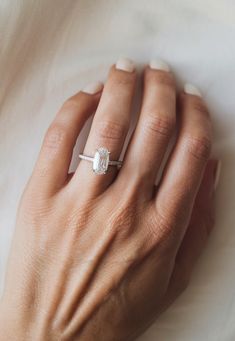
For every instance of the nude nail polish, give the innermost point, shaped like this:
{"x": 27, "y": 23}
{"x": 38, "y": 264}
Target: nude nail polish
{"x": 191, "y": 89}
{"x": 159, "y": 64}
{"x": 93, "y": 88}
{"x": 125, "y": 64}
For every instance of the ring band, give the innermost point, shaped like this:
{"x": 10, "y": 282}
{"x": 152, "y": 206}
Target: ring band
{"x": 101, "y": 161}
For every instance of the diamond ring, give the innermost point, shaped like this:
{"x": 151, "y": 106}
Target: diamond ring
{"x": 101, "y": 161}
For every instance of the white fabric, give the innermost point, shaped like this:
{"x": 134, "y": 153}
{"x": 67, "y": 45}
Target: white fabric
{"x": 50, "y": 49}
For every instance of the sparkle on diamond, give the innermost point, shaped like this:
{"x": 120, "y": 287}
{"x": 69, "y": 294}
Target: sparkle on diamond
{"x": 101, "y": 161}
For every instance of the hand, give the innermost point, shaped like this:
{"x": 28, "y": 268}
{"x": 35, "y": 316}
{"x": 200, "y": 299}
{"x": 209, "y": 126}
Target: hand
{"x": 99, "y": 257}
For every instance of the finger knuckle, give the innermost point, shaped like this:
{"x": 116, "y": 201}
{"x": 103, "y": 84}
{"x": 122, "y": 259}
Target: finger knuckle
{"x": 160, "y": 227}
{"x": 161, "y": 123}
{"x": 199, "y": 146}
{"x": 162, "y": 78}
{"x": 110, "y": 130}
{"x": 55, "y": 136}
{"x": 122, "y": 219}
{"x": 122, "y": 79}
{"x": 79, "y": 216}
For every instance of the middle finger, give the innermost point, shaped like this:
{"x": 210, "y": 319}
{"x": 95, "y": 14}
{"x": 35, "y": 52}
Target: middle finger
{"x": 155, "y": 126}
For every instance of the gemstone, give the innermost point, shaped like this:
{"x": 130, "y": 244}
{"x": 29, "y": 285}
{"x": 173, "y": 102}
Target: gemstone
{"x": 101, "y": 161}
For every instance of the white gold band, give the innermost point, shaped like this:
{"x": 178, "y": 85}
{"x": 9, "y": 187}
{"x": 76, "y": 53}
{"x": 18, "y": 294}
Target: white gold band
{"x": 91, "y": 159}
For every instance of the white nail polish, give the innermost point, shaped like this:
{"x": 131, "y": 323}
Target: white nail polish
{"x": 158, "y": 64}
{"x": 125, "y": 64}
{"x": 217, "y": 174}
{"x": 93, "y": 88}
{"x": 191, "y": 89}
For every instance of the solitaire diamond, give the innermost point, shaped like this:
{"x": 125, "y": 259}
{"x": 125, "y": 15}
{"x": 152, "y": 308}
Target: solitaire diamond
{"x": 101, "y": 161}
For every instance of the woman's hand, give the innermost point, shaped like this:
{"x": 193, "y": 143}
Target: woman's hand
{"x": 98, "y": 257}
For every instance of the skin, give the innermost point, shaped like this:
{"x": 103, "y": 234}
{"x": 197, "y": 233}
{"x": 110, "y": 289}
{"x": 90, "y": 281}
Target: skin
{"x": 100, "y": 257}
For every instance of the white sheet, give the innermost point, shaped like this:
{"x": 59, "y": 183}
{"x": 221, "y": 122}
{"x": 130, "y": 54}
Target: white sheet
{"x": 50, "y": 49}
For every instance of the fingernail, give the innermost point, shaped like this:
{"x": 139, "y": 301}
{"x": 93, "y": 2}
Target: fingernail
{"x": 125, "y": 64}
{"x": 159, "y": 64}
{"x": 217, "y": 174}
{"x": 191, "y": 89}
{"x": 93, "y": 88}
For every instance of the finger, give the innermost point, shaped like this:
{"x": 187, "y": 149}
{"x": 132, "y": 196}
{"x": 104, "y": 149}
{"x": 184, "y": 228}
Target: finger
{"x": 202, "y": 217}
{"x": 155, "y": 125}
{"x": 184, "y": 170}
{"x": 200, "y": 226}
{"x": 56, "y": 152}
{"x": 110, "y": 125}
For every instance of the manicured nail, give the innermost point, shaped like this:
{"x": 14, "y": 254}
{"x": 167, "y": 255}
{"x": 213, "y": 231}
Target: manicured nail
{"x": 125, "y": 64}
{"x": 93, "y": 88}
{"x": 191, "y": 89}
{"x": 158, "y": 64}
{"x": 217, "y": 174}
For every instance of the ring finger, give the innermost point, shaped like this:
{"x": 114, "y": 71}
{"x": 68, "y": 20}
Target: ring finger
{"x": 110, "y": 125}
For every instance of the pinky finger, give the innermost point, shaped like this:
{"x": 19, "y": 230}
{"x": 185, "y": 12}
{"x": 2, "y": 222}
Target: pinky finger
{"x": 200, "y": 226}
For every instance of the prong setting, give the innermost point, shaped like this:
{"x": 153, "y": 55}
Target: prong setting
{"x": 101, "y": 161}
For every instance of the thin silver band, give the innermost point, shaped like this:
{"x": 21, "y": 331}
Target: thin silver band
{"x": 91, "y": 159}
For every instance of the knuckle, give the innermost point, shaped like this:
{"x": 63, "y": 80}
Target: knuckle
{"x": 165, "y": 225}
{"x": 121, "y": 220}
{"x": 120, "y": 78}
{"x": 162, "y": 78}
{"x": 160, "y": 227}
{"x": 199, "y": 147}
{"x": 108, "y": 130}
{"x": 160, "y": 123}
{"x": 79, "y": 216}
{"x": 55, "y": 136}
{"x": 123, "y": 80}
{"x": 152, "y": 229}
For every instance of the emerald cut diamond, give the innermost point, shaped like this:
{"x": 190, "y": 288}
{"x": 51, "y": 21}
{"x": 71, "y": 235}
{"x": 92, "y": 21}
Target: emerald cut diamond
{"x": 101, "y": 161}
